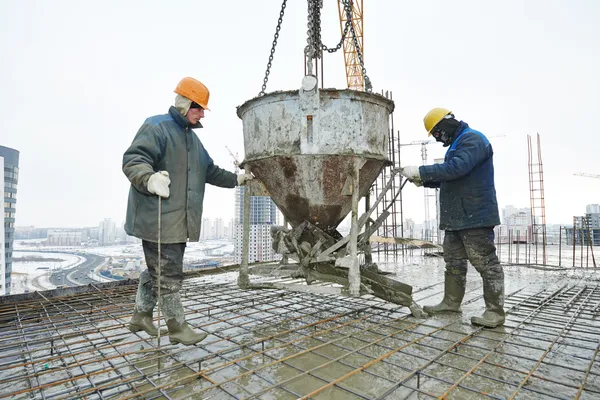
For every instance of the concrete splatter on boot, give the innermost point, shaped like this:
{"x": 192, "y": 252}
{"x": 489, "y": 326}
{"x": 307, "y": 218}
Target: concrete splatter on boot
{"x": 145, "y": 302}
{"x": 143, "y": 322}
{"x": 454, "y": 291}
{"x": 179, "y": 330}
{"x": 493, "y": 295}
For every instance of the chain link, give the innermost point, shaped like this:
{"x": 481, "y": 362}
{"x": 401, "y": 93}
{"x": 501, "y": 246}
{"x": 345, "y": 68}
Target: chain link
{"x": 368, "y": 85}
{"x": 275, "y": 37}
{"x": 348, "y": 24}
{"x": 315, "y": 46}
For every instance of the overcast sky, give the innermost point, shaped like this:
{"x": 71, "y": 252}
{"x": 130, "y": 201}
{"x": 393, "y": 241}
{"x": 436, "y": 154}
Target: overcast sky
{"x": 78, "y": 78}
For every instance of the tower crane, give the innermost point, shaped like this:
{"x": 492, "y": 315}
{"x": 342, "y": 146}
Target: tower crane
{"x": 587, "y": 175}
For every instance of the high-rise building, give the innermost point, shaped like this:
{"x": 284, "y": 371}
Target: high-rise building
{"x": 108, "y": 231}
{"x": 205, "y": 229}
{"x": 263, "y": 214}
{"x": 230, "y": 229}
{"x": 9, "y": 162}
{"x": 219, "y": 229}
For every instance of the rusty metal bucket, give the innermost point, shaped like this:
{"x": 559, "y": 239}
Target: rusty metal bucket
{"x": 303, "y": 144}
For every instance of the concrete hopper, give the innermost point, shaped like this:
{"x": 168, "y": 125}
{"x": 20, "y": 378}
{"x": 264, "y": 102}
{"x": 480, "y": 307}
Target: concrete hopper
{"x": 303, "y": 144}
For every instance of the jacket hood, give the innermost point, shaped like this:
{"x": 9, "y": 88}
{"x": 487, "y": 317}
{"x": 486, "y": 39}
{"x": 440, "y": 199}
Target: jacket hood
{"x": 181, "y": 120}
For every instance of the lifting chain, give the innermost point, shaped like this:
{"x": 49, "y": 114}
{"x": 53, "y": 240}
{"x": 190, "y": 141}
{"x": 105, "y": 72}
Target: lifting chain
{"x": 275, "y": 37}
{"x": 314, "y": 46}
{"x": 348, "y": 8}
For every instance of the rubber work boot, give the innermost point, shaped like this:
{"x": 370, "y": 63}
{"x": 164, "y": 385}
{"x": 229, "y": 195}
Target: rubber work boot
{"x": 145, "y": 301}
{"x": 182, "y": 333}
{"x": 493, "y": 295}
{"x": 142, "y": 321}
{"x": 454, "y": 291}
{"x": 179, "y": 330}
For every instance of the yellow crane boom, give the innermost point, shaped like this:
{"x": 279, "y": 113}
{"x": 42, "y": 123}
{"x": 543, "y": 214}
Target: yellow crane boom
{"x": 354, "y": 73}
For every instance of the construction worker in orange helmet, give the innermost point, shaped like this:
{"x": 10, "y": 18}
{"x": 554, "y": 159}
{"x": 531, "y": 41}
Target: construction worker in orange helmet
{"x": 167, "y": 159}
{"x": 468, "y": 213}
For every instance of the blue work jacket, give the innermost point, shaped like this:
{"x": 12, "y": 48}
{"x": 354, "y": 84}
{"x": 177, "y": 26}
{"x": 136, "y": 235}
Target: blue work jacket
{"x": 466, "y": 182}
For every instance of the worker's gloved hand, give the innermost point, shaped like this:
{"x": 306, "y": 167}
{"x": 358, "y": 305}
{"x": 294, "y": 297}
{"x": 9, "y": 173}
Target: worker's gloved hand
{"x": 243, "y": 178}
{"x": 411, "y": 173}
{"x": 158, "y": 184}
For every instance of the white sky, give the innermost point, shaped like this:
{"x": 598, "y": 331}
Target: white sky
{"x": 78, "y": 78}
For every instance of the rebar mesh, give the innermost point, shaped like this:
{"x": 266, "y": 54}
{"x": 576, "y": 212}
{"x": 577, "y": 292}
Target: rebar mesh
{"x": 282, "y": 344}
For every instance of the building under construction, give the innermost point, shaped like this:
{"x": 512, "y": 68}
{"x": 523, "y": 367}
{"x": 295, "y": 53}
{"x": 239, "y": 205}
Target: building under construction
{"x": 333, "y": 319}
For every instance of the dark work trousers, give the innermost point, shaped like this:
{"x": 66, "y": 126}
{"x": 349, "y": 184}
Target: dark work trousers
{"x": 475, "y": 245}
{"x": 171, "y": 266}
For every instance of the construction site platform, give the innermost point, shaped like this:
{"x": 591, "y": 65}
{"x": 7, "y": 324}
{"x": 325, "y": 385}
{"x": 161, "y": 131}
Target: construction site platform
{"x": 289, "y": 344}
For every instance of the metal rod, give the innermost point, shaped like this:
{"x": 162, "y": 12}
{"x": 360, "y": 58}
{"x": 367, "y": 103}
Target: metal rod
{"x": 354, "y": 272}
{"x": 244, "y": 278}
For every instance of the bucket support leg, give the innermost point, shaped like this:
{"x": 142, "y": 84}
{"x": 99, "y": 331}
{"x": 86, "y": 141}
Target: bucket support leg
{"x": 354, "y": 270}
{"x": 243, "y": 277}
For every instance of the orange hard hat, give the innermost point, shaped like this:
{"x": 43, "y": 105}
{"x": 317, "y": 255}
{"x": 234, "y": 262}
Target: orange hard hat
{"x": 193, "y": 90}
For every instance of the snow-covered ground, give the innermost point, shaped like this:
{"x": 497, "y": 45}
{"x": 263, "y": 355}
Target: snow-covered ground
{"x": 194, "y": 251}
{"x": 34, "y": 275}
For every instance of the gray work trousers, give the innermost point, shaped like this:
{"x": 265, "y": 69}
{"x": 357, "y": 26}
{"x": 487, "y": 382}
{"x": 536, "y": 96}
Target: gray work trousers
{"x": 171, "y": 266}
{"x": 475, "y": 245}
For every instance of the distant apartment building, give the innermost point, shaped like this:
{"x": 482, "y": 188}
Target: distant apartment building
{"x": 230, "y": 229}
{"x": 108, "y": 232}
{"x": 215, "y": 229}
{"x": 206, "y": 229}
{"x": 91, "y": 234}
{"x": 516, "y": 225}
{"x": 9, "y": 162}
{"x": 65, "y": 237}
{"x": 30, "y": 232}
{"x": 219, "y": 229}
{"x": 263, "y": 214}
{"x": 587, "y": 227}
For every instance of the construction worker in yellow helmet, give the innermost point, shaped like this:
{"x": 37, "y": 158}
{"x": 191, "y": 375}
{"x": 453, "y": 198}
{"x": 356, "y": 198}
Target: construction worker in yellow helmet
{"x": 167, "y": 159}
{"x": 468, "y": 213}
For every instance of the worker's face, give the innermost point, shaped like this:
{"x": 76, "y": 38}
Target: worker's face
{"x": 194, "y": 115}
{"x": 437, "y": 134}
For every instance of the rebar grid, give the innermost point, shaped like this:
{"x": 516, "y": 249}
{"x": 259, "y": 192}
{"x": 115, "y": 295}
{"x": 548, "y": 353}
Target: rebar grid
{"x": 279, "y": 344}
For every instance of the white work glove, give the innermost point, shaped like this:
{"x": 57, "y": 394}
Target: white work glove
{"x": 158, "y": 184}
{"x": 242, "y": 178}
{"x": 411, "y": 173}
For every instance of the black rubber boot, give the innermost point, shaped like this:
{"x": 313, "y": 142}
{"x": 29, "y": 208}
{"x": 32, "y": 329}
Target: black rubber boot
{"x": 454, "y": 291}
{"x": 493, "y": 295}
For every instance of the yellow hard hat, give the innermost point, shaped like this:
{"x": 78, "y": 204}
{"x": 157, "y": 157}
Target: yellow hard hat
{"x": 193, "y": 90}
{"x": 433, "y": 117}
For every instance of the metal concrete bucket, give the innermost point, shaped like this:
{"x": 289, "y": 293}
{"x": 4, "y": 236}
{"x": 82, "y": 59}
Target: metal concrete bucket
{"x": 303, "y": 144}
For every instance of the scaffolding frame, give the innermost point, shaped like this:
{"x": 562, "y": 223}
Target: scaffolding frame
{"x": 393, "y": 226}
